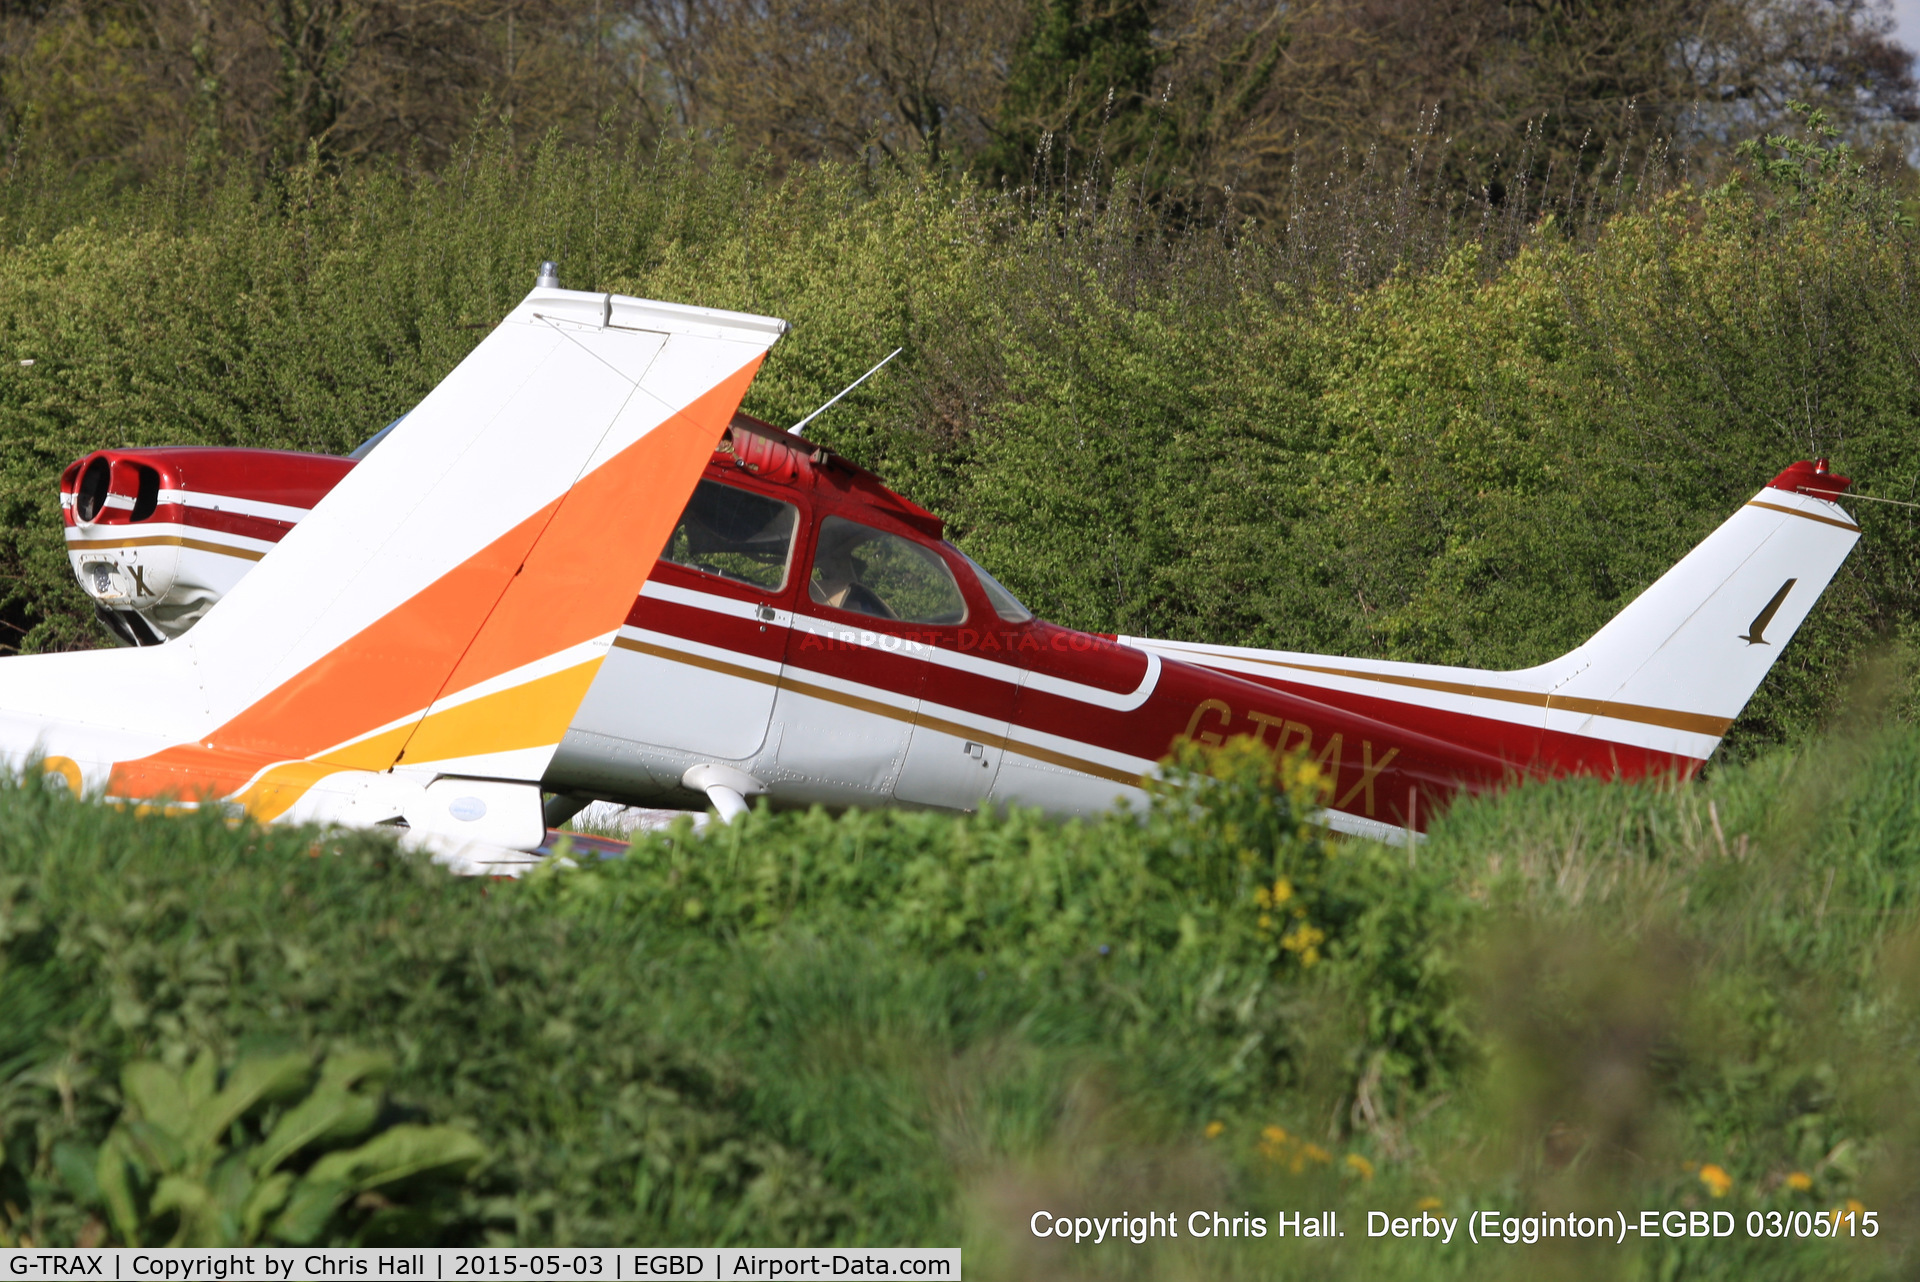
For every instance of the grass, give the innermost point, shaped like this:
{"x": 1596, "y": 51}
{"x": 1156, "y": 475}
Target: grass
{"x": 907, "y": 1029}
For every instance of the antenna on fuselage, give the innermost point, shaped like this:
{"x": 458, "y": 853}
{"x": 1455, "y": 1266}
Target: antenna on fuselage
{"x": 796, "y": 428}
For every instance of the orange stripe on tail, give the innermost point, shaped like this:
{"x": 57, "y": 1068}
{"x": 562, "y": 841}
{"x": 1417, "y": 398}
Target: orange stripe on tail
{"x": 538, "y": 589}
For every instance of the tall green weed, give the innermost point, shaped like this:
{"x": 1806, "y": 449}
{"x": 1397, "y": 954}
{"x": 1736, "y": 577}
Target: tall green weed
{"x": 915, "y": 1028}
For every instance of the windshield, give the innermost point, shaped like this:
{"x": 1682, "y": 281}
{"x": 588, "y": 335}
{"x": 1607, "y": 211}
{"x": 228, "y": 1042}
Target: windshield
{"x": 1004, "y": 603}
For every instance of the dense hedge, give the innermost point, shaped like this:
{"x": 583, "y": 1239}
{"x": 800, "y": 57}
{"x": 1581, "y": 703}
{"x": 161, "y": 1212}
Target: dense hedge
{"x": 1368, "y": 431}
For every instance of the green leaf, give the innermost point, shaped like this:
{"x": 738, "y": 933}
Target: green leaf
{"x": 190, "y": 1200}
{"x": 157, "y": 1093}
{"x": 232, "y": 1186}
{"x": 345, "y": 1069}
{"x": 201, "y": 1079}
{"x": 268, "y": 1196}
{"x": 77, "y": 1165}
{"x": 308, "y": 1211}
{"x": 155, "y": 1150}
{"x": 251, "y": 1082}
{"x": 115, "y": 1180}
{"x": 325, "y": 1115}
{"x": 399, "y": 1153}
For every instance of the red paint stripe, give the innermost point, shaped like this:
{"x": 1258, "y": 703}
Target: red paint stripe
{"x": 252, "y": 527}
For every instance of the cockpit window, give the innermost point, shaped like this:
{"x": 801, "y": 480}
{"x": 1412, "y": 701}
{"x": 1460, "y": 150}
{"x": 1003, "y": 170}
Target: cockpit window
{"x": 868, "y": 571}
{"x": 735, "y": 534}
{"x": 1004, "y": 603}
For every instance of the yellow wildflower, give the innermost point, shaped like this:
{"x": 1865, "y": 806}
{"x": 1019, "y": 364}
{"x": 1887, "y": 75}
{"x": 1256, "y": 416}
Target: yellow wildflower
{"x": 1214, "y": 1129}
{"x": 1305, "y": 940}
{"x": 1277, "y": 1146}
{"x": 1282, "y": 891}
{"x": 1360, "y": 1166}
{"x": 1427, "y": 1204}
{"x": 1800, "y": 1181}
{"x": 1856, "y": 1206}
{"x": 1718, "y": 1182}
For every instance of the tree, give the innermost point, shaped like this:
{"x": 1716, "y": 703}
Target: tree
{"x": 136, "y": 86}
{"x": 1210, "y": 101}
{"x": 1083, "y": 79}
{"x": 808, "y": 79}
{"x": 1497, "y": 85}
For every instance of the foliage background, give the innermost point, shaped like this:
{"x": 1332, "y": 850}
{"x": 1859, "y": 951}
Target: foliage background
{"x": 1217, "y": 102}
{"x": 1395, "y": 425}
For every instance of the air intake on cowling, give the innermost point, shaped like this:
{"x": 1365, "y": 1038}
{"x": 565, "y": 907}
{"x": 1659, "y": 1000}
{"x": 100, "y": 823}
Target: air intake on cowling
{"x": 95, "y": 483}
{"x": 549, "y": 277}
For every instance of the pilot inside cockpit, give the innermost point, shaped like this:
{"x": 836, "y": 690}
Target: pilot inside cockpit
{"x": 867, "y": 571}
{"x": 836, "y": 572}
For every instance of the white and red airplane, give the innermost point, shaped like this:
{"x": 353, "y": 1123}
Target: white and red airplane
{"x": 575, "y": 569}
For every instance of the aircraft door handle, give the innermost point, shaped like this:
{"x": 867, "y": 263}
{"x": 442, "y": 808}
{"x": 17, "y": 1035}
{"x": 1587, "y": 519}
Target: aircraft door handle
{"x": 765, "y": 614}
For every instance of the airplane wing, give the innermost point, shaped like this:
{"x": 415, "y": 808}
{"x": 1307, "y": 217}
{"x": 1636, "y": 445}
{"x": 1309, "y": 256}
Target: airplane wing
{"x": 442, "y": 611}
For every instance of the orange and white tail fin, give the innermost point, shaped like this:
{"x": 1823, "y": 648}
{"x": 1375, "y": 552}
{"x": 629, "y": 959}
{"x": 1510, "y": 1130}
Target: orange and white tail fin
{"x": 1664, "y": 679}
{"x": 445, "y": 607}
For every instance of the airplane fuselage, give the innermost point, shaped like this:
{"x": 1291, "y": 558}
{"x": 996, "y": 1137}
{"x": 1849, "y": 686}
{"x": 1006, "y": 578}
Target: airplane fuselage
{"x": 811, "y": 630}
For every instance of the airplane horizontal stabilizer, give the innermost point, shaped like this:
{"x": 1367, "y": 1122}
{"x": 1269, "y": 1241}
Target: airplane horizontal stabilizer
{"x": 445, "y": 607}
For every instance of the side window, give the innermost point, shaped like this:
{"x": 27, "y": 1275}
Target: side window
{"x": 868, "y": 571}
{"x": 735, "y": 534}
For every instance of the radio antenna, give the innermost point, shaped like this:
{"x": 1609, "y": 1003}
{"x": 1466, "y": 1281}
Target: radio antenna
{"x": 796, "y": 429}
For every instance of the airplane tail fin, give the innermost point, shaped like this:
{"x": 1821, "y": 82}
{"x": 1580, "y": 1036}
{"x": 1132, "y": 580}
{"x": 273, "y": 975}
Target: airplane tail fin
{"x": 445, "y": 607}
{"x": 1680, "y": 662}
{"x": 1656, "y": 687}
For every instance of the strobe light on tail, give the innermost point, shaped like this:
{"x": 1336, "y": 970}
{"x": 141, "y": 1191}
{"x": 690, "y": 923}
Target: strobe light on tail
{"x": 476, "y": 614}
